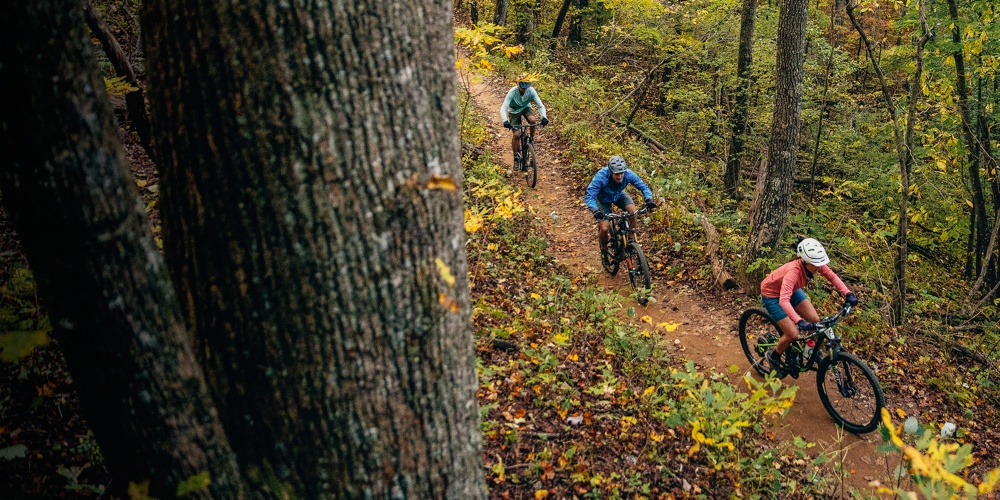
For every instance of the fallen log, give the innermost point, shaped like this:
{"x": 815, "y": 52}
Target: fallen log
{"x": 642, "y": 135}
{"x": 722, "y": 277}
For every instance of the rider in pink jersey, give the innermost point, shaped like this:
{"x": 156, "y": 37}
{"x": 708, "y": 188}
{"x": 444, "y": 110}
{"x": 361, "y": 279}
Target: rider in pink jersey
{"x": 786, "y": 302}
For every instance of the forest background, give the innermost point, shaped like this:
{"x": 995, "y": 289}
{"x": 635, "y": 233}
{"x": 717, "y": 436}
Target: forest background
{"x": 895, "y": 169}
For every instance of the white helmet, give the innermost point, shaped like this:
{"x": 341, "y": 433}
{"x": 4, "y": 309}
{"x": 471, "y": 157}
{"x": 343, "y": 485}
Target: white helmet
{"x": 812, "y": 252}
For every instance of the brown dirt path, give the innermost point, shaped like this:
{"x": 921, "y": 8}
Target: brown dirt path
{"x": 707, "y": 333}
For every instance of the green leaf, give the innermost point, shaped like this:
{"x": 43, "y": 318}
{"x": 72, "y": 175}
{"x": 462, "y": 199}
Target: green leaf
{"x": 12, "y": 452}
{"x": 194, "y": 484}
{"x": 18, "y": 344}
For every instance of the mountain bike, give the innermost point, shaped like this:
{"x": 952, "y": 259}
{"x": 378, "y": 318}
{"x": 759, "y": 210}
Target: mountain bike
{"x": 623, "y": 247}
{"x": 525, "y": 159}
{"x": 849, "y": 389}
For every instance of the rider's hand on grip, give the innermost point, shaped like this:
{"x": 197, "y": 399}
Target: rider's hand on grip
{"x": 598, "y": 215}
{"x": 506, "y": 124}
{"x": 806, "y": 326}
{"x": 851, "y": 300}
{"x": 545, "y": 121}
{"x": 650, "y": 204}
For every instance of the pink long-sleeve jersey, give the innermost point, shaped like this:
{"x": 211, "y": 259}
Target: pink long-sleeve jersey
{"x": 783, "y": 281}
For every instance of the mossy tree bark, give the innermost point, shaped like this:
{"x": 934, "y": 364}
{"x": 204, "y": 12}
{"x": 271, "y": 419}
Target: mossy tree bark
{"x": 321, "y": 265}
{"x": 744, "y": 65}
{"x": 770, "y": 206}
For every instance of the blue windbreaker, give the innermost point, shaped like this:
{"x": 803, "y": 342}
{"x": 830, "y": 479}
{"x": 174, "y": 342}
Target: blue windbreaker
{"x": 602, "y": 188}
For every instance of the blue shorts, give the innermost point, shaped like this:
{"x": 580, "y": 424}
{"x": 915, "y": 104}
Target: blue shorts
{"x": 773, "y": 306}
{"x": 623, "y": 201}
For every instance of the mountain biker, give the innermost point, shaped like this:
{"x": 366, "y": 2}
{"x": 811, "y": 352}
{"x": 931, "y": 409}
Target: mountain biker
{"x": 518, "y": 105}
{"x": 607, "y": 188}
{"x": 789, "y": 306}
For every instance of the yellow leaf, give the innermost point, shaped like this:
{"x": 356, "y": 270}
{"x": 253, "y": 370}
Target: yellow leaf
{"x": 459, "y": 63}
{"x": 539, "y": 494}
{"x": 449, "y": 302}
{"x": 649, "y": 390}
{"x": 647, "y": 319}
{"x": 445, "y": 272}
{"x": 694, "y": 449}
{"x": 511, "y": 50}
{"x": 15, "y": 345}
{"x": 491, "y": 247}
{"x": 535, "y": 295}
{"x": 900, "y": 412}
{"x": 483, "y": 63}
{"x": 441, "y": 182}
{"x": 668, "y": 326}
{"x": 573, "y": 357}
{"x": 560, "y": 338}
{"x": 473, "y": 223}
{"x": 657, "y": 438}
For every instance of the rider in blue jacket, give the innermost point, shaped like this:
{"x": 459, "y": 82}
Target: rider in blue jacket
{"x": 607, "y": 188}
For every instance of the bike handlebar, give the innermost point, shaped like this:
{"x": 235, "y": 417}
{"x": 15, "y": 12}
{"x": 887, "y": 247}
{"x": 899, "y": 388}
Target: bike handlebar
{"x": 626, "y": 215}
{"x": 520, "y": 126}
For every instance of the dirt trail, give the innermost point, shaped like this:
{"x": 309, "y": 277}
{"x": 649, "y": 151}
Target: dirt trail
{"x": 707, "y": 334}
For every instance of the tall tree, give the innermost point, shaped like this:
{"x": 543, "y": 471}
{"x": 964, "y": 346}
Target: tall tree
{"x": 744, "y": 66}
{"x": 322, "y": 269}
{"x": 770, "y": 206}
{"x": 576, "y": 25}
{"x": 904, "y": 147}
{"x": 312, "y": 228}
{"x": 500, "y": 14}
{"x": 100, "y": 274}
{"x": 560, "y": 19}
{"x": 978, "y": 229}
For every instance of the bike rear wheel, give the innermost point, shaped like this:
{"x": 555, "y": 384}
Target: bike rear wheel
{"x": 638, "y": 272}
{"x": 850, "y": 392}
{"x": 757, "y": 334}
{"x": 529, "y": 166}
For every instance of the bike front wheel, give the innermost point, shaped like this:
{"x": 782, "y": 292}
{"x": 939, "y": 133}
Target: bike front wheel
{"x": 530, "y": 166}
{"x": 609, "y": 258}
{"x": 638, "y": 272}
{"x": 850, "y": 392}
{"x": 758, "y": 334}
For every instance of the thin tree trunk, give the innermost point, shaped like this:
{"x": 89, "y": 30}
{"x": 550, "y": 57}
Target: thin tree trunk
{"x": 977, "y": 219}
{"x": 770, "y": 210}
{"x": 99, "y": 271}
{"x": 576, "y": 25}
{"x": 822, "y": 111}
{"x": 314, "y": 227}
{"x": 500, "y": 16}
{"x": 559, "y": 21}
{"x": 902, "y": 154}
{"x": 135, "y": 101}
{"x": 744, "y": 66}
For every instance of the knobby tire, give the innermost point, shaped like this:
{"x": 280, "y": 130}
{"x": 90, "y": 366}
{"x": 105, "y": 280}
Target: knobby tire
{"x": 858, "y": 413}
{"x": 529, "y": 166}
{"x": 638, "y": 274}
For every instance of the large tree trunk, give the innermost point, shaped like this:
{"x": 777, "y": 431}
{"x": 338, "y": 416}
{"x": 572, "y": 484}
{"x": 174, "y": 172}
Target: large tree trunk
{"x": 99, "y": 272}
{"x": 744, "y": 65}
{"x": 135, "y": 101}
{"x": 770, "y": 209}
{"x": 313, "y": 226}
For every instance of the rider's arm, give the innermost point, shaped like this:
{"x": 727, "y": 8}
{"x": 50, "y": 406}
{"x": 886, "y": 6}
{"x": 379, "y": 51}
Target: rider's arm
{"x": 505, "y": 107}
{"x": 596, "y": 184}
{"x": 789, "y": 282}
{"x": 631, "y": 178}
{"x": 832, "y": 276}
{"x": 538, "y": 102}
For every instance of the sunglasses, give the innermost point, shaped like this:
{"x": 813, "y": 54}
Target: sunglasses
{"x": 524, "y": 85}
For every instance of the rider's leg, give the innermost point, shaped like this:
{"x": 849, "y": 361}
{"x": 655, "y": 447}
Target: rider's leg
{"x": 515, "y": 143}
{"x": 603, "y": 237}
{"x": 800, "y": 301}
{"x": 532, "y": 119}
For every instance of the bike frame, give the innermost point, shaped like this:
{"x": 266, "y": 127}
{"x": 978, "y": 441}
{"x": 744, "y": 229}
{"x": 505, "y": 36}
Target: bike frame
{"x": 621, "y": 229}
{"x": 825, "y": 338}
